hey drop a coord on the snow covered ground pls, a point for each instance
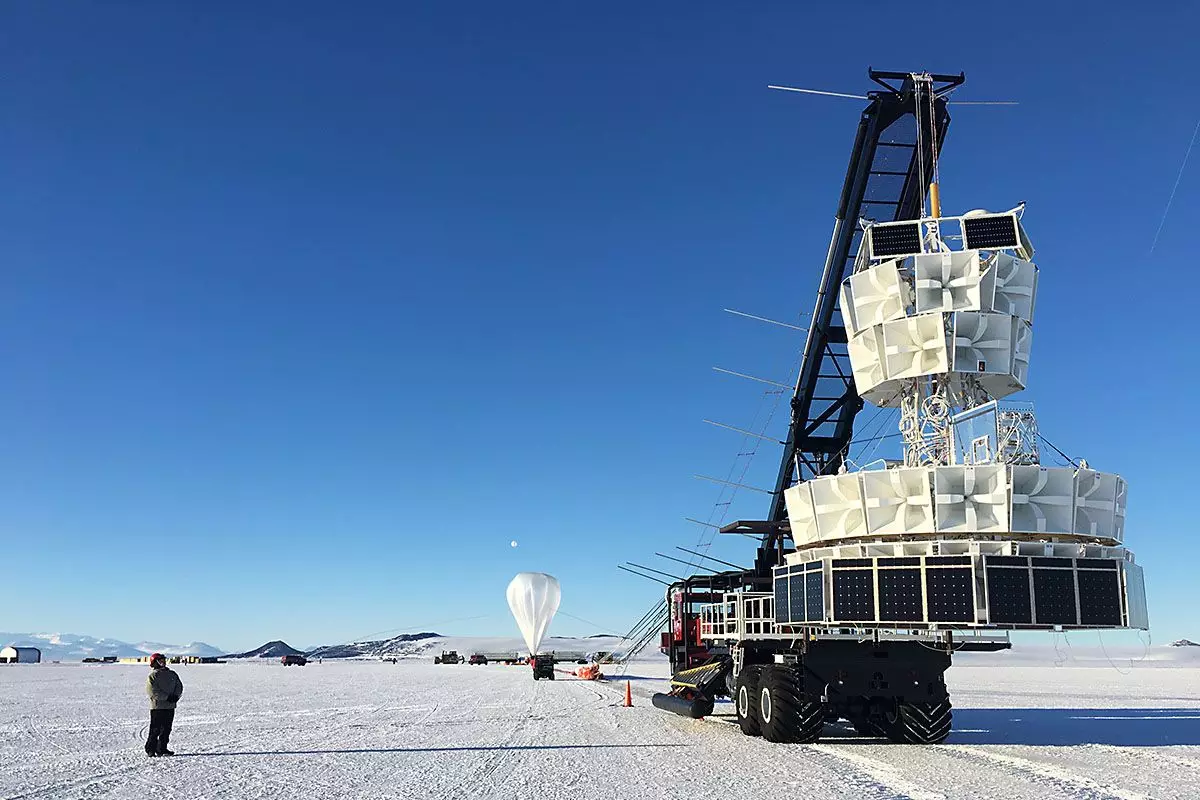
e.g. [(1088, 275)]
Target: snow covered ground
[(345, 729)]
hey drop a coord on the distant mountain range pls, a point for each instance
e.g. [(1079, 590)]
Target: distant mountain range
[(76, 647), (1184, 643)]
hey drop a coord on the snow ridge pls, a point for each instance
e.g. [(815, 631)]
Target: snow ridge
[(75, 647)]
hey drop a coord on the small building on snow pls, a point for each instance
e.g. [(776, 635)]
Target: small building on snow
[(20, 655)]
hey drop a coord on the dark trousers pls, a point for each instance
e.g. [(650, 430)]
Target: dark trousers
[(160, 730)]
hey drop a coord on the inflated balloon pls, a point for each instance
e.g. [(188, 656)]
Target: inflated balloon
[(533, 598)]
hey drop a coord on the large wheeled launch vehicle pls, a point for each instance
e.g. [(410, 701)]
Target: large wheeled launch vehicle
[(867, 581)]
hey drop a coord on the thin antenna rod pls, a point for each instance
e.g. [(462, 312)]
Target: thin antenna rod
[(656, 571), (818, 91), (710, 558), (689, 564), (1187, 154), (752, 378), (731, 483), (640, 575), (764, 319), (746, 432), (864, 97)]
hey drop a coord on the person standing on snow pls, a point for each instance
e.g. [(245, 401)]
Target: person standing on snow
[(164, 688)]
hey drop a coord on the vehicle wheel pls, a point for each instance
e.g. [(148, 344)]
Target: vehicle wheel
[(730, 685), (550, 676), (919, 723), (745, 699), (437, 659), (785, 714)]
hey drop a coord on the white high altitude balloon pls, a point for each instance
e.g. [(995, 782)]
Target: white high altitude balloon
[(533, 598)]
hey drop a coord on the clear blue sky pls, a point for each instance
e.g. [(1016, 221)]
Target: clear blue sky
[(307, 312)]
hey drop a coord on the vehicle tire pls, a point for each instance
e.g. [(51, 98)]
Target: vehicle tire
[(550, 676), (437, 659), (745, 699), (784, 713), (919, 723), (730, 685)]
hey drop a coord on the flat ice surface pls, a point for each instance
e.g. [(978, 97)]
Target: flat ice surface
[(415, 730)]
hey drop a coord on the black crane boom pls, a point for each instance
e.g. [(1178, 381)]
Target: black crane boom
[(883, 183)]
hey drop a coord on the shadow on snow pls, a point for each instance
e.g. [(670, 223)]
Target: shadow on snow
[(480, 748), (1122, 727), (1125, 727)]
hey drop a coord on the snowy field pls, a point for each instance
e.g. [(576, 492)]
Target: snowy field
[(415, 730)]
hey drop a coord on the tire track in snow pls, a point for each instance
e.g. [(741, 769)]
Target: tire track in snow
[(880, 774), (1080, 786), (85, 782), (1153, 755), (869, 777)]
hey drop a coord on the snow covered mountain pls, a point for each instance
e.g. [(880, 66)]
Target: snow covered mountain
[(274, 649), (406, 644), (75, 647)]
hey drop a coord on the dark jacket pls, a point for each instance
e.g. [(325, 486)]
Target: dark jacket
[(164, 688)]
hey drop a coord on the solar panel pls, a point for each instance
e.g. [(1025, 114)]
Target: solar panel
[(853, 594), (900, 597), (1099, 598), (991, 232), (900, 239), (814, 589), (950, 593), (1054, 596), (1008, 596), (781, 599)]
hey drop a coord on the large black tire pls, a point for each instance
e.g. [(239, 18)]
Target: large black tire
[(745, 700), (919, 723), (786, 715)]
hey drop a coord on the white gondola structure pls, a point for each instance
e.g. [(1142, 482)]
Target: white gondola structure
[(971, 530)]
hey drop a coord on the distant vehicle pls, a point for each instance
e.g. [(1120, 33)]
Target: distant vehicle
[(543, 666), (449, 657), (293, 661), (478, 658)]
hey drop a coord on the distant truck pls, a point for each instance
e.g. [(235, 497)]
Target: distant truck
[(449, 657), (477, 658), (293, 661), (543, 666)]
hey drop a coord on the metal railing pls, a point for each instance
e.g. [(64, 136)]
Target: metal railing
[(738, 616)]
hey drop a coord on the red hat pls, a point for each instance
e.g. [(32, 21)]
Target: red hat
[(157, 657)]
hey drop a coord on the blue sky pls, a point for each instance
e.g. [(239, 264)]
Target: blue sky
[(307, 313)]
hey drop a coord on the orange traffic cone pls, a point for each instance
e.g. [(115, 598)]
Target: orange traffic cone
[(628, 696)]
